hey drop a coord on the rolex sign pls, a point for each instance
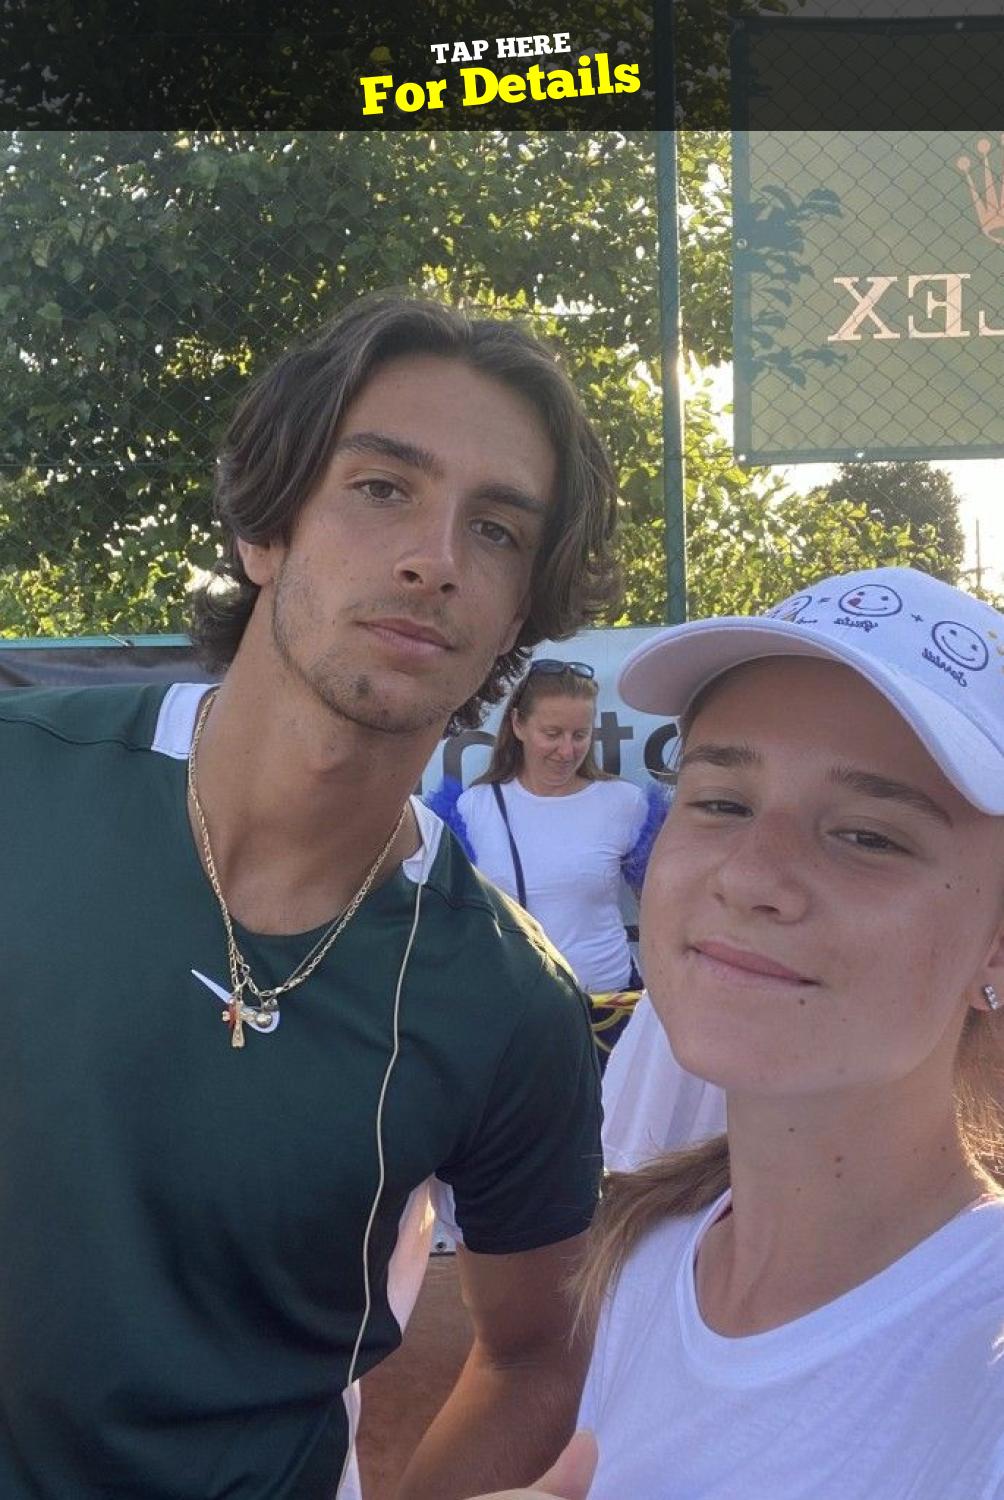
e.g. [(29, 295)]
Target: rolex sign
[(869, 295)]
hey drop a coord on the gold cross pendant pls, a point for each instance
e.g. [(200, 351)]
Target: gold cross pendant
[(234, 1017)]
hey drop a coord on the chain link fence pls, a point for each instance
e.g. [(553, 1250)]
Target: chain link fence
[(869, 297), (868, 305), (885, 69), (893, 10)]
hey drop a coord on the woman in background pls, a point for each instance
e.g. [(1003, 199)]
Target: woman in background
[(554, 831)]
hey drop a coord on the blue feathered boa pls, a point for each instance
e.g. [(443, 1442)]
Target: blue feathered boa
[(443, 802), (635, 861)]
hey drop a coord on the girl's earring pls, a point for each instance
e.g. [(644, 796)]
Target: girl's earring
[(990, 995)]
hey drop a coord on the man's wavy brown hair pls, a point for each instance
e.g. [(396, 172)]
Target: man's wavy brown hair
[(280, 440)]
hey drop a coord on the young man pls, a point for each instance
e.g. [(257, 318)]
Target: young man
[(206, 1226)]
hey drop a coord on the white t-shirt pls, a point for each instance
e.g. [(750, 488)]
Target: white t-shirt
[(571, 850), (650, 1103), (894, 1391)]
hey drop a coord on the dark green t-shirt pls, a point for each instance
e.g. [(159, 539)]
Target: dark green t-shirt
[(182, 1223)]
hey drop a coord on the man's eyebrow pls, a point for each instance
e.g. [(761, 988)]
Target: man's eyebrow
[(726, 757), (871, 785), (511, 495), (384, 446)]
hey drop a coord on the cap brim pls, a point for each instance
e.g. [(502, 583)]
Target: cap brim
[(665, 674)]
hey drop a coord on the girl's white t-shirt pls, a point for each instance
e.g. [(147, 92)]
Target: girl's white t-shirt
[(893, 1391), (571, 850), (650, 1103)]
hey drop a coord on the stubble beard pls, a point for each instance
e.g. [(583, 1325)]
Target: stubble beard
[(350, 695)]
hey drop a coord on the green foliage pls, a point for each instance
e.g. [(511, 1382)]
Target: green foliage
[(751, 540), (704, 168), (912, 495), (144, 277), (989, 596)]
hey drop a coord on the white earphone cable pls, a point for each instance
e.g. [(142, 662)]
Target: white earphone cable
[(381, 1164)]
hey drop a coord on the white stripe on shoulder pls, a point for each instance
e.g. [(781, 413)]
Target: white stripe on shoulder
[(176, 720), (430, 827)]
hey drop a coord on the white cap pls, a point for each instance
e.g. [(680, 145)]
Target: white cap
[(936, 653)]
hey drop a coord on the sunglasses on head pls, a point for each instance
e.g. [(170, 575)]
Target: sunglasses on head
[(551, 667)]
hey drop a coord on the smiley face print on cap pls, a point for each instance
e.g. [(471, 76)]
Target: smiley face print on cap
[(961, 645), (791, 608), (872, 601)]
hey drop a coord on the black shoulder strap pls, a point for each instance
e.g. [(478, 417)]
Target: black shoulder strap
[(516, 862)]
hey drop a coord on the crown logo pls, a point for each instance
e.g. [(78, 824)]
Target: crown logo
[(989, 204)]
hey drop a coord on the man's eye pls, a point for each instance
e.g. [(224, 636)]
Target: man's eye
[(378, 489), (492, 531)]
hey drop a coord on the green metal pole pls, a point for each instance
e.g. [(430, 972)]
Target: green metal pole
[(672, 402)]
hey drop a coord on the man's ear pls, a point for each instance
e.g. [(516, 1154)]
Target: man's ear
[(259, 559)]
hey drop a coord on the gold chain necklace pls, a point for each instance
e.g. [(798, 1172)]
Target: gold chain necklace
[(267, 1008)]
